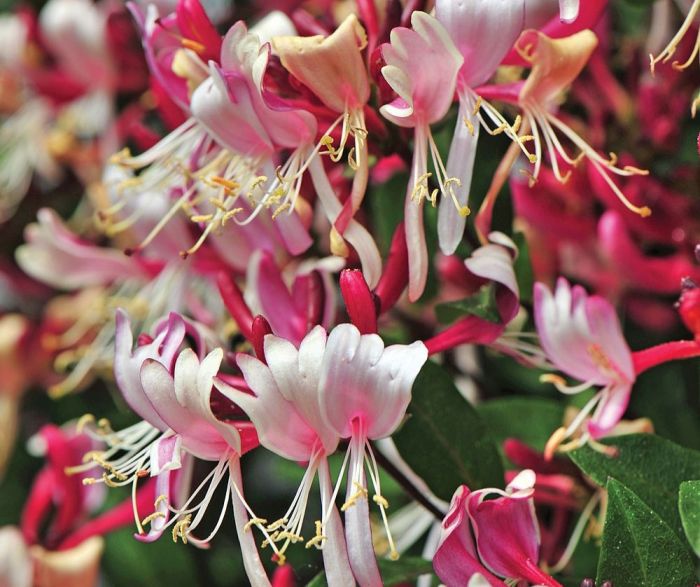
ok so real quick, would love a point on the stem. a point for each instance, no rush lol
(406, 484)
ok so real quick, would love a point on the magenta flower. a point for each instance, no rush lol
(505, 542)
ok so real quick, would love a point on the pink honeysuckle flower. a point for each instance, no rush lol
(171, 389)
(581, 335)
(345, 386)
(422, 64)
(75, 33)
(556, 63)
(483, 32)
(287, 416)
(54, 255)
(176, 44)
(333, 69)
(505, 540)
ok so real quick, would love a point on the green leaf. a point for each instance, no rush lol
(689, 508)
(444, 440)
(650, 466)
(530, 420)
(481, 304)
(522, 265)
(639, 549)
(404, 570)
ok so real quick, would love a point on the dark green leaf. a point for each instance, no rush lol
(406, 569)
(639, 549)
(650, 466)
(531, 420)
(481, 304)
(689, 508)
(444, 440)
(523, 268)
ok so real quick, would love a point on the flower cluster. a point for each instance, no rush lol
(321, 233)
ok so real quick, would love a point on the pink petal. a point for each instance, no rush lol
(280, 426)
(363, 380)
(54, 255)
(483, 31)
(455, 560)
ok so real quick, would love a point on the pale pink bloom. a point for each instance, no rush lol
(483, 31)
(171, 389)
(75, 31)
(348, 386)
(225, 167)
(422, 64)
(55, 255)
(581, 336)
(484, 539)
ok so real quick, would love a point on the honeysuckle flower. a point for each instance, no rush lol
(177, 45)
(581, 336)
(171, 389)
(345, 386)
(556, 63)
(506, 537)
(422, 64)
(333, 69)
(54, 255)
(483, 32)
(75, 33)
(224, 166)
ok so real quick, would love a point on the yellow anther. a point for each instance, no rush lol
(202, 218)
(230, 214)
(159, 500)
(552, 378)
(181, 528)
(319, 538)
(554, 442)
(477, 106)
(381, 501)
(352, 500)
(281, 209)
(270, 539)
(89, 481)
(154, 516)
(254, 522)
(394, 554)
(469, 125)
(84, 420)
(277, 524)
